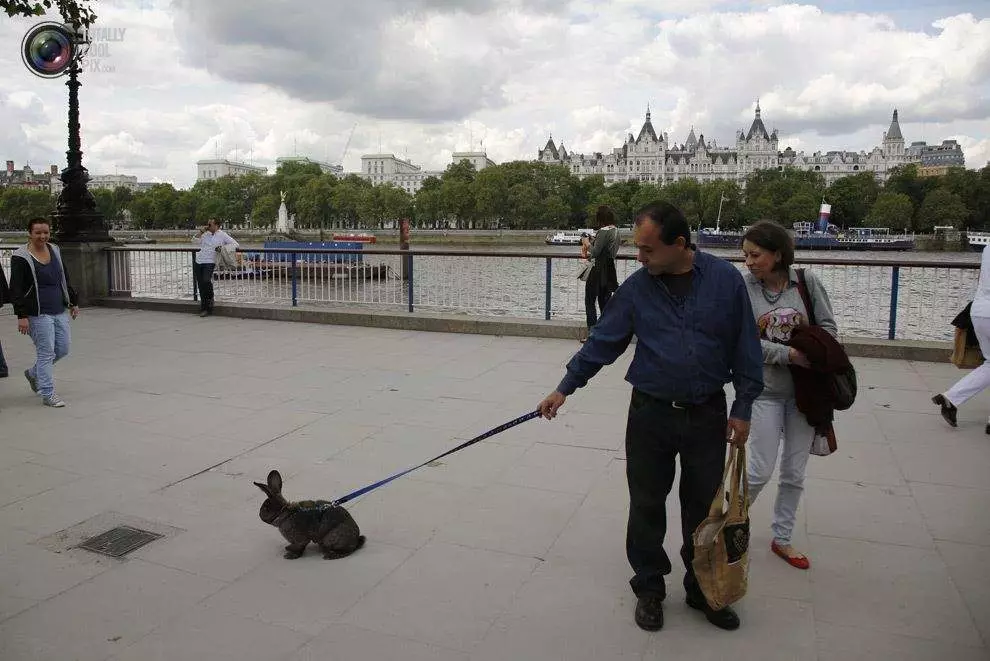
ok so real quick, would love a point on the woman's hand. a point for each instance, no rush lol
(797, 358)
(22, 326)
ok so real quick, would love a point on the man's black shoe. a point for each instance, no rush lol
(649, 613)
(723, 619)
(948, 410)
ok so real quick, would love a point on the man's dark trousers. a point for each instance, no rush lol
(656, 432)
(204, 280)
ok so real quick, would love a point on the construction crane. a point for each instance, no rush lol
(347, 144)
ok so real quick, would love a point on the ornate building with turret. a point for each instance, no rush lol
(652, 157)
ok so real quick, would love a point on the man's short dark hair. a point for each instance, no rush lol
(773, 238)
(669, 219)
(37, 220)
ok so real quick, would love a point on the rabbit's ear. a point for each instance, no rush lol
(263, 487)
(275, 482)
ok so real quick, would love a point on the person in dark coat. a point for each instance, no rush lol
(4, 298)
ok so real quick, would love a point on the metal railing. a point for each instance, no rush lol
(880, 298)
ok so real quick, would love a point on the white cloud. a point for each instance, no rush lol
(424, 78)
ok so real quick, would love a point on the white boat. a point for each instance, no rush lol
(978, 240)
(569, 237)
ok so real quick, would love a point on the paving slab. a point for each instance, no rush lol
(511, 549)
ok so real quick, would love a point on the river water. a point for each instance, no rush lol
(486, 284)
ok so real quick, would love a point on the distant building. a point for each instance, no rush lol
(387, 169)
(329, 168)
(114, 181)
(653, 157)
(478, 159)
(28, 178)
(221, 167)
(948, 154)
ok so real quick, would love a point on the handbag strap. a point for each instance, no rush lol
(803, 289)
(732, 467)
(737, 505)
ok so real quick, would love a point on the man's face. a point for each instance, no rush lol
(654, 254)
(212, 226)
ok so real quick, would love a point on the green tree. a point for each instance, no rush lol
(893, 210)
(427, 204)
(941, 207)
(264, 213)
(685, 194)
(19, 205)
(106, 204)
(346, 200)
(76, 12)
(491, 194)
(905, 179)
(525, 204)
(851, 198)
(724, 194)
(395, 203)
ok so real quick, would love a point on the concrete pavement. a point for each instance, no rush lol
(511, 549)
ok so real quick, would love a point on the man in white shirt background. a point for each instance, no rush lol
(209, 240)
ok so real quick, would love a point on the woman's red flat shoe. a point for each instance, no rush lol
(798, 561)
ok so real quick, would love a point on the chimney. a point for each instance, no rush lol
(10, 167)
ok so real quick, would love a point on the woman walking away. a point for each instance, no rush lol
(976, 381)
(41, 294)
(779, 309)
(602, 280)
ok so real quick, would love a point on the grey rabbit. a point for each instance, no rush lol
(320, 521)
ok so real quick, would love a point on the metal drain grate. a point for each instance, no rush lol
(118, 542)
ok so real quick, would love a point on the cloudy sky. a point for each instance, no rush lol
(173, 81)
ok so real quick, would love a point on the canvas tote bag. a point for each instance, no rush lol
(964, 356)
(721, 541)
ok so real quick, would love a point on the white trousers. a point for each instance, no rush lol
(977, 380)
(775, 420)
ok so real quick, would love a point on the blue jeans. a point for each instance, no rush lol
(50, 333)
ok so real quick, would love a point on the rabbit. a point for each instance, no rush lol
(330, 526)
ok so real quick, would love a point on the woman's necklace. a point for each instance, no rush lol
(771, 297)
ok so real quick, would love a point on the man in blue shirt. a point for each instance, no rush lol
(695, 332)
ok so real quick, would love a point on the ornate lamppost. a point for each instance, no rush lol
(51, 50)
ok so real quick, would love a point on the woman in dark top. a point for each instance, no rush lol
(41, 295)
(602, 280)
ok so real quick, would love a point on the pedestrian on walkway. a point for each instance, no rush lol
(976, 381)
(43, 302)
(772, 283)
(4, 298)
(209, 239)
(695, 332)
(601, 251)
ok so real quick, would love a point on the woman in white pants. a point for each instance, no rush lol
(776, 300)
(976, 381)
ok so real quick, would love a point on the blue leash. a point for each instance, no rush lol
(491, 432)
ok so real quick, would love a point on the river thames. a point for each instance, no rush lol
(487, 283)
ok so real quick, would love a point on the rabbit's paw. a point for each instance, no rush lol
(291, 552)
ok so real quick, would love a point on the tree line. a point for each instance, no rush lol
(532, 195)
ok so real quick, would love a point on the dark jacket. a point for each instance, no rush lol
(4, 290)
(812, 387)
(24, 283)
(964, 321)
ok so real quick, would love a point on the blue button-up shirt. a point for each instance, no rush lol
(685, 351)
